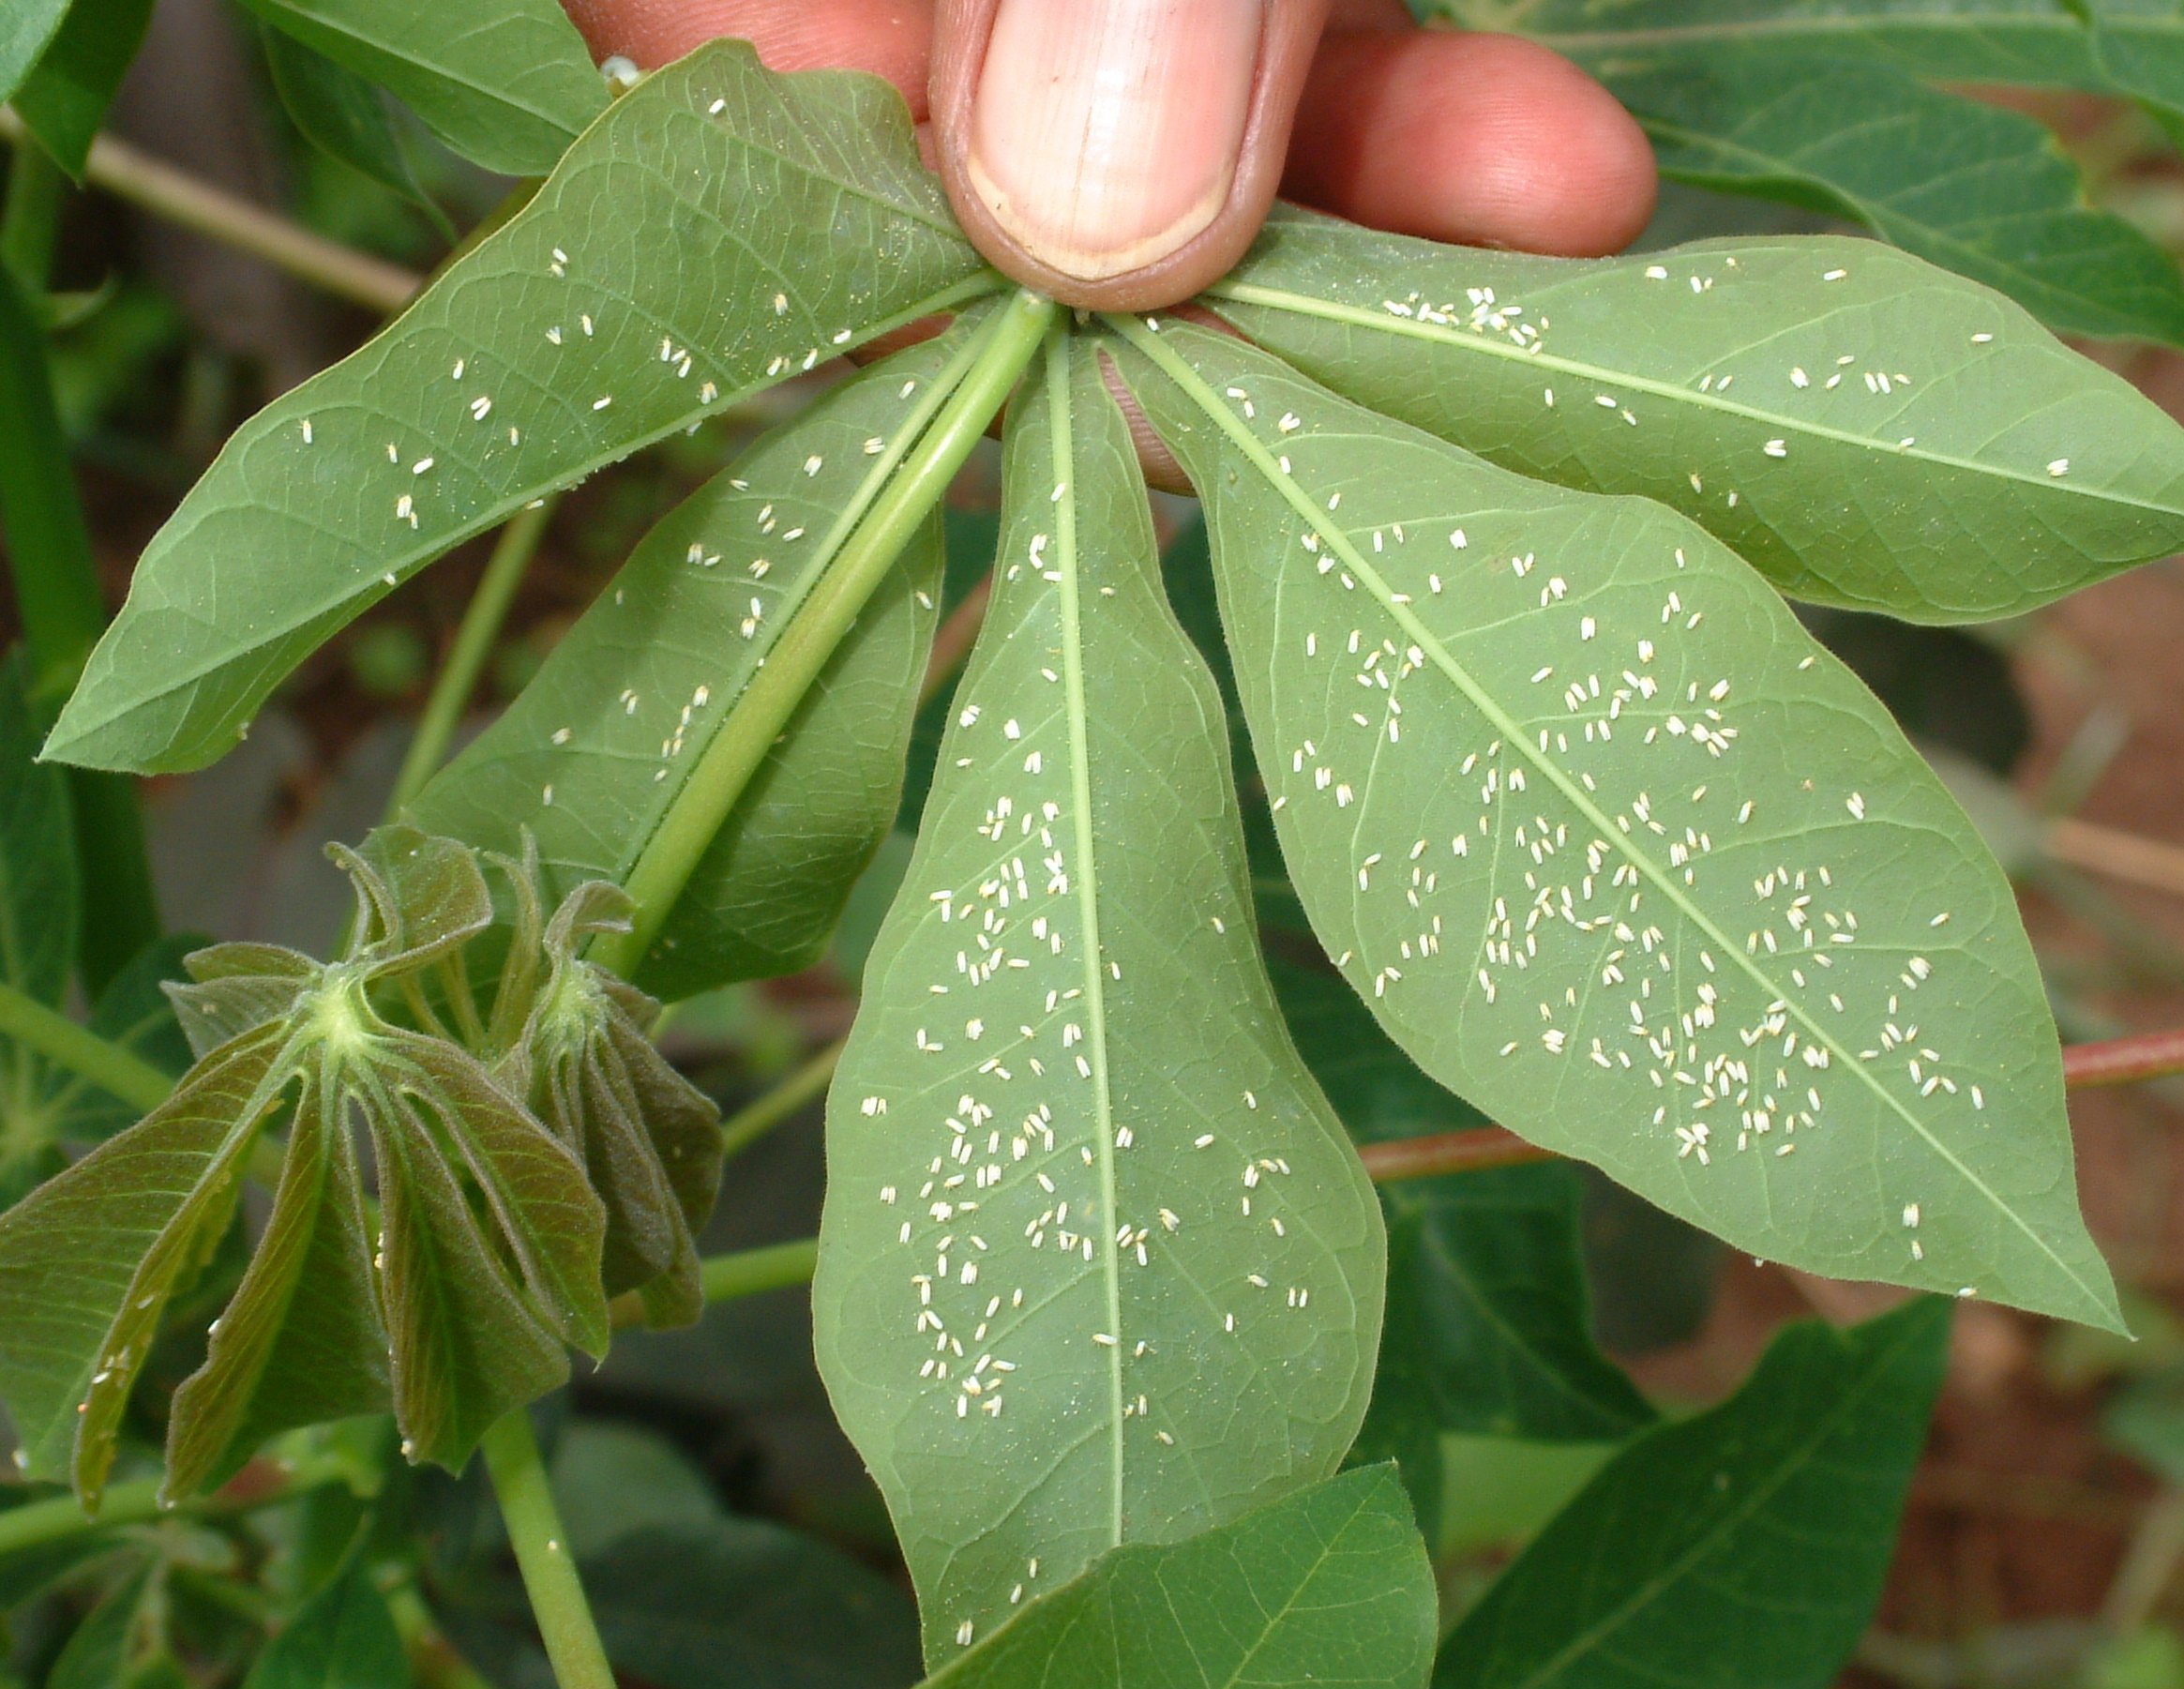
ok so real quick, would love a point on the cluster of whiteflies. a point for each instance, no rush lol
(480, 1145)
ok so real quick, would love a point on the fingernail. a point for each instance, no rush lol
(1104, 133)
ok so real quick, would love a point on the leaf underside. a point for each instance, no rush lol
(599, 747)
(1552, 779)
(593, 323)
(1864, 428)
(1096, 1264)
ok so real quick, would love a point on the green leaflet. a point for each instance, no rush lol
(1712, 378)
(1096, 1264)
(1612, 847)
(598, 750)
(343, 116)
(1743, 1547)
(1330, 1587)
(343, 1637)
(508, 84)
(2041, 43)
(592, 324)
(65, 97)
(1984, 192)
(122, 1642)
(25, 27)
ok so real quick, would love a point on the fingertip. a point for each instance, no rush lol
(1485, 139)
(891, 38)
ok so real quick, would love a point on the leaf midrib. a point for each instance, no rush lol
(1061, 435)
(1203, 398)
(1357, 317)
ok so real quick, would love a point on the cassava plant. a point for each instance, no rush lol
(1478, 751)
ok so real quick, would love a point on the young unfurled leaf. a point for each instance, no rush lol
(598, 750)
(1097, 1264)
(1552, 784)
(488, 1244)
(1745, 1546)
(1865, 428)
(508, 84)
(1329, 1587)
(596, 321)
(648, 1137)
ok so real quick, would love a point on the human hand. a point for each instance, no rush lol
(1122, 154)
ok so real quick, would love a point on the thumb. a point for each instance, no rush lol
(1118, 154)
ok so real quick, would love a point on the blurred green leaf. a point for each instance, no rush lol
(343, 1637)
(344, 117)
(1981, 192)
(1740, 1549)
(1330, 1586)
(1712, 378)
(65, 97)
(508, 84)
(122, 1640)
(740, 1604)
(1169, 1291)
(558, 343)
(25, 27)
(1657, 898)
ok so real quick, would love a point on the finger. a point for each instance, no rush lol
(1481, 139)
(890, 37)
(1118, 154)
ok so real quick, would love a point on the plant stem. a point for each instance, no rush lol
(1466, 1152)
(2124, 1061)
(727, 1278)
(62, 613)
(761, 1115)
(777, 688)
(81, 1052)
(32, 219)
(474, 644)
(159, 187)
(37, 1523)
(542, 1553)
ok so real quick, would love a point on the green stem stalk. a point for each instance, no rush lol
(727, 1277)
(762, 1113)
(542, 1553)
(142, 180)
(62, 613)
(474, 644)
(81, 1052)
(57, 1518)
(776, 691)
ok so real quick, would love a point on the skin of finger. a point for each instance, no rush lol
(1481, 140)
(889, 38)
(1291, 33)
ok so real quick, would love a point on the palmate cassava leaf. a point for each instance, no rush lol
(486, 1257)
(1583, 814)
(24, 30)
(1096, 1264)
(343, 1637)
(1742, 1549)
(598, 750)
(1986, 192)
(598, 319)
(508, 84)
(2040, 42)
(1759, 387)
(1329, 1587)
